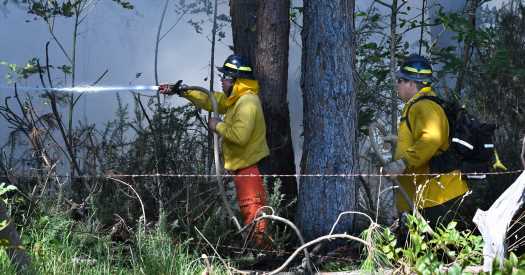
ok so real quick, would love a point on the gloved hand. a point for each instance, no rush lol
(170, 89)
(212, 123)
(395, 167)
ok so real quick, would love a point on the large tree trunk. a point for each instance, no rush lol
(243, 14)
(265, 43)
(271, 67)
(329, 118)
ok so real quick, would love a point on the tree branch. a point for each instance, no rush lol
(383, 3)
(100, 77)
(320, 239)
(136, 194)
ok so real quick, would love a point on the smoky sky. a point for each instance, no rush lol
(114, 39)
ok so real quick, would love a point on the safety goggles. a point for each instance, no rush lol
(226, 77)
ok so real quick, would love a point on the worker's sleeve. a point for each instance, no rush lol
(202, 100)
(242, 124)
(429, 132)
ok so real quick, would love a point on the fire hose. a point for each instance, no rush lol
(218, 173)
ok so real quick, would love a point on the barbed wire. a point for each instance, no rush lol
(342, 175)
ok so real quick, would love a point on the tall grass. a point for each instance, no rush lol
(58, 245)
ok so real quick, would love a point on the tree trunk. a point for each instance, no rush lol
(243, 14)
(393, 67)
(271, 67)
(329, 118)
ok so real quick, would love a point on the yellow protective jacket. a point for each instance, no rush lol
(243, 129)
(429, 136)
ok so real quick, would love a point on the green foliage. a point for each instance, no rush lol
(384, 252)
(424, 253)
(373, 76)
(490, 75)
(16, 72)
(65, 8)
(202, 13)
(280, 234)
(512, 265)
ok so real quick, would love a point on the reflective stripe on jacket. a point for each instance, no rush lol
(243, 128)
(428, 137)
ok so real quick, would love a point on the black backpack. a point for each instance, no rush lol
(471, 147)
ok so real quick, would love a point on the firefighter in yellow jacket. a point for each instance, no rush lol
(243, 131)
(437, 197)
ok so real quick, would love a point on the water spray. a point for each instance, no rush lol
(88, 89)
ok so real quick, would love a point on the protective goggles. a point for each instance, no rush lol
(226, 77)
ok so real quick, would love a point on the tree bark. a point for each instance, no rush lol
(329, 117)
(271, 67)
(243, 14)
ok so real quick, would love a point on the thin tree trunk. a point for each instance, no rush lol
(212, 79)
(329, 118)
(422, 30)
(393, 67)
(157, 42)
(271, 67)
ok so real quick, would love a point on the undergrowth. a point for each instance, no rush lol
(59, 245)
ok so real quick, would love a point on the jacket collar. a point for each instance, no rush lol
(425, 91)
(241, 87)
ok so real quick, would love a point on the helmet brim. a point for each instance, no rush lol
(416, 78)
(221, 69)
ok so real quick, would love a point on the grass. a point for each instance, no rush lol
(58, 245)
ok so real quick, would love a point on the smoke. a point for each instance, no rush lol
(113, 39)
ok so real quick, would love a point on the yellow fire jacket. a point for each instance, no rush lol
(429, 136)
(243, 129)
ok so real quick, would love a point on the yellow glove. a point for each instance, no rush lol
(498, 164)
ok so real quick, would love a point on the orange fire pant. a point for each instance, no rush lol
(251, 196)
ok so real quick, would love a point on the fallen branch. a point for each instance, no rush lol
(350, 212)
(292, 225)
(136, 194)
(320, 239)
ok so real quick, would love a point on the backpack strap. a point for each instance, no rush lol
(436, 99)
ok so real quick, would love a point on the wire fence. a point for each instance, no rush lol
(342, 175)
